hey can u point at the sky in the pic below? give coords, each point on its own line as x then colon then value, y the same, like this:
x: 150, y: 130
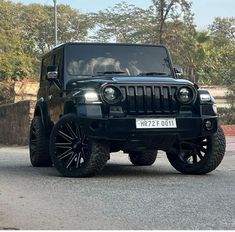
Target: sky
x: 204, y: 10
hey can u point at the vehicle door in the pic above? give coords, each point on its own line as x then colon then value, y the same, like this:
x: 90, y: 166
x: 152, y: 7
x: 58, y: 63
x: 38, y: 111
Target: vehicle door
x: 55, y: 93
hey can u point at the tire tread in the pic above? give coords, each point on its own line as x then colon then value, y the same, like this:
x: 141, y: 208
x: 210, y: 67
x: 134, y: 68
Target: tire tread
x: 41, y: 157
x: 143, y: 159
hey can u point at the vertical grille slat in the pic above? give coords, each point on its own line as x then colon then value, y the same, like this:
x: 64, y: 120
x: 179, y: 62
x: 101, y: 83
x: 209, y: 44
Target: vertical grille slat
x: 161, y: 108
x: 158, y: 99
x: 147, y: 99
x: 170, y: 98
x: 166, y: 100
x: 144, y: 99
x: 153, y: 100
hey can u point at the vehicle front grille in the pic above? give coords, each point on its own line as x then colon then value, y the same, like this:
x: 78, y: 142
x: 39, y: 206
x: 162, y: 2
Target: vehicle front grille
x: 149, y: 99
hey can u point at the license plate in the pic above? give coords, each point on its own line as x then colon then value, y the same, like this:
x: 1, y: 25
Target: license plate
x: 155, y: 123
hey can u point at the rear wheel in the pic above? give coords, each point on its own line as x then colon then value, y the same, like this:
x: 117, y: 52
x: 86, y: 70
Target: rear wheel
x: 199, y: 156
x: 143, y: 158
x: 39, y: 144
x: 73, y: 153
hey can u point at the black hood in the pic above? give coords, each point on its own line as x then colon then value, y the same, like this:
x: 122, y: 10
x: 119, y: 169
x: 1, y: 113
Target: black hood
x: 96, y: 82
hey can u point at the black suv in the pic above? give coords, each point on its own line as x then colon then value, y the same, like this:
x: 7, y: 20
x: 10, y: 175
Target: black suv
x: 95, y: 99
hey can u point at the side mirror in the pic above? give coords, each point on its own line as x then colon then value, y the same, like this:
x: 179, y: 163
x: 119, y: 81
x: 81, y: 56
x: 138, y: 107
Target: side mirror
x: 52, y: 72
x: 178, y: 72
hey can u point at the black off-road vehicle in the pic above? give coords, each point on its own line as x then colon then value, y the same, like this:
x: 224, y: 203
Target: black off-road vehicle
x: 95, y: 99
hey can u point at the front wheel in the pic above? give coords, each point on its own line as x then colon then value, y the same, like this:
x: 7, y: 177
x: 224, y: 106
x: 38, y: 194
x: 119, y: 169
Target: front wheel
x: 73, y: 153
x: 199, y: 156
x: 143, y: 158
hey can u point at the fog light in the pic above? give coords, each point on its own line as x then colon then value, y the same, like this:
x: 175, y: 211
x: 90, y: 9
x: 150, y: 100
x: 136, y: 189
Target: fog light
x: 208, y: 125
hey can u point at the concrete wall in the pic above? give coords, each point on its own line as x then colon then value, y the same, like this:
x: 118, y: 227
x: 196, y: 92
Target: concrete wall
x: 15, y: 122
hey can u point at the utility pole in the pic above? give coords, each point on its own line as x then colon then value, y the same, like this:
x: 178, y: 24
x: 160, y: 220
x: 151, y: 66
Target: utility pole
x: 55, y: 21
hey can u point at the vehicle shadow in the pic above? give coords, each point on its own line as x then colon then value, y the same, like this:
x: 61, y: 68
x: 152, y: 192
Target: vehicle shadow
x: 114, y: 170
x: 128, y: 170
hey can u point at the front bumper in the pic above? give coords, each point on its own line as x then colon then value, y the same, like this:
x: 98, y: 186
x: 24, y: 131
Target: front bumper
x: 124, y: 128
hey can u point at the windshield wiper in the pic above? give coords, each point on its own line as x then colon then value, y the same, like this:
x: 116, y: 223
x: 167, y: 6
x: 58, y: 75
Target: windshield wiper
x: 153, y: 74
x: 110, y: 73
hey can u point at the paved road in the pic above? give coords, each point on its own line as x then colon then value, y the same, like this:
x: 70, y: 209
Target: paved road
x: 122, y: 197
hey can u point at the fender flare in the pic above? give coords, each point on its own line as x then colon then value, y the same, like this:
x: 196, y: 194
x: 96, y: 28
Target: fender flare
x: 41, y: 109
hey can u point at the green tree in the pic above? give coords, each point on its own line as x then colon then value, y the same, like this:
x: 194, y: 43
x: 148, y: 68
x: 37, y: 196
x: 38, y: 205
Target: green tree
x: 218, y: 66
x: 38, y: 30
x: 27, y: 31
x: 223, y: 31
x: 14, y: 62
x: 121, y: 23
x: 168, y: 22
x: 171, y: 10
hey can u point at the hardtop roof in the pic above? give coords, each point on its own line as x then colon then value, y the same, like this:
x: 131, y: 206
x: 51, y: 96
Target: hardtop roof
x: 98, y: 43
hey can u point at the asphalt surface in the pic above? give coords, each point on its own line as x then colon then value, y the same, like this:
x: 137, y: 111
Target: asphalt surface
x: 121, y: 197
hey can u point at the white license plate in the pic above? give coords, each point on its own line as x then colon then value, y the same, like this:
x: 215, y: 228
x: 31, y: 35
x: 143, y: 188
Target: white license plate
x: 155, y: 123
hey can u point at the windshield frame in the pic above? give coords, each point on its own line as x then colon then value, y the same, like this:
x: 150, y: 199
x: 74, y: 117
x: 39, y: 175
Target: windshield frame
x: 69, y: 76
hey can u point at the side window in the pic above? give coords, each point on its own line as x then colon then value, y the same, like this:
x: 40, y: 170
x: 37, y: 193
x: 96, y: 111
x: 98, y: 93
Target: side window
x: 45, y: 62
x: 58, y: 61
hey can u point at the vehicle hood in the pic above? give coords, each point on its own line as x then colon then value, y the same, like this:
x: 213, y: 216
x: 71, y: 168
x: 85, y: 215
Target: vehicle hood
x: 96, y: 82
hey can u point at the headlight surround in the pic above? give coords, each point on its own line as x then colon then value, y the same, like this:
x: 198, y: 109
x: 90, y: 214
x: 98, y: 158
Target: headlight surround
x: 112, y: 94
x: 185, y: 95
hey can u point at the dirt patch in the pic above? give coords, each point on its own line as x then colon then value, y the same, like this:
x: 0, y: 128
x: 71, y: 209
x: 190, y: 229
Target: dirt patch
x: 229, y: 130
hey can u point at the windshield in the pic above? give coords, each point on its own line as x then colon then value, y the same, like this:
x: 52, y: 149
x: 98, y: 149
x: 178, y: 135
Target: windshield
x: 106, y: 59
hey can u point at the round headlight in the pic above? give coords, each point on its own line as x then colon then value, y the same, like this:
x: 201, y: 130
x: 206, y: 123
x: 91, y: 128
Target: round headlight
x: 185, y: 95
x: 112, y: 95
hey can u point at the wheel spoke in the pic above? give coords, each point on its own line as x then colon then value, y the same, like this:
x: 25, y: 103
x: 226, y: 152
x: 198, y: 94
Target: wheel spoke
x: 78, y: 160
x: 63, y: 145
x: 83, y: 153
x: 65, y: 154
x: 71, y: 159
x: 200, y: 155
x: 65, y: 136
x: 203, y: 149
x: 71, y: 131
x: 78, y: 131
x: 83, y: 138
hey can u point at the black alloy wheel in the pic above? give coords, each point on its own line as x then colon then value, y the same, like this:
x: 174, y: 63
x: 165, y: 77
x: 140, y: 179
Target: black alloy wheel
x: 199, y: 156
x: 73, y: 154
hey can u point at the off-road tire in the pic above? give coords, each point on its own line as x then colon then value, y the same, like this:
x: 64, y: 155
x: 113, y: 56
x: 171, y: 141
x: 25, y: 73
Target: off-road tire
x: 39, y: 144
x: 95, y: 158
x: 213, y: 156
x: 143, y: 158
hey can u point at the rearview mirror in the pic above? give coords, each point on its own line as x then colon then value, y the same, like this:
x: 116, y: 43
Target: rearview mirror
x: 52, y: 72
